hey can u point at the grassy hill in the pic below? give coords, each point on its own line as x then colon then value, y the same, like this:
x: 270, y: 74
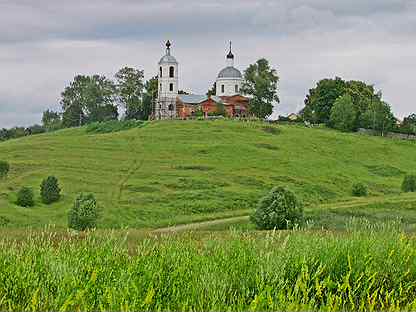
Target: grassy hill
x: 184, y: 171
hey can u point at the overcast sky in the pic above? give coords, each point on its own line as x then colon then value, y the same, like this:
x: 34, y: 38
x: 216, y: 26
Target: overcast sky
x: 45, y: 43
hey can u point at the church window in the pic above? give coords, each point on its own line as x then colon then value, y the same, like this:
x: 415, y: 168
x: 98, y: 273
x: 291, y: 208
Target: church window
x: 236, y: 88
x: 222, y: 88
x: 160, y: 88
x: 170, y: 107
x: 171, y: 87
x: 171, y: 72
x: 160, y: 72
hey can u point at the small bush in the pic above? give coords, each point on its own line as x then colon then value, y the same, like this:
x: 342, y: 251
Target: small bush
x: 280, y: 209
x: 84, y: 213
x: 4, y: 169
x: 409, y: 183
x: 25, y: 197
x: 49, y: 190
x: 359, y: 190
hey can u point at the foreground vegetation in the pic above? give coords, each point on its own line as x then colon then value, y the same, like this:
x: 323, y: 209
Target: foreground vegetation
x: 366, y: 268
x: 184, y: 171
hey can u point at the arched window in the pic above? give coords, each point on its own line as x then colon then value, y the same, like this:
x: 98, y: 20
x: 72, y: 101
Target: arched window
x: 236, y: 88
x: 222, y: 88
x: 171, y: 72
x: 170, y: 107
x: 160, y: 72
x: 171, y: 87
x: 160, y: 88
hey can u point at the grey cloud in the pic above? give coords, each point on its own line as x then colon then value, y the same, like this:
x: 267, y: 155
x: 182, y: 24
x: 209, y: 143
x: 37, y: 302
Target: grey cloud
x: 44, y: 43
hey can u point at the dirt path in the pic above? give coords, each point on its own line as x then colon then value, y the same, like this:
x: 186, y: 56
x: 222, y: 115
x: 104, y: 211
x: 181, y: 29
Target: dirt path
x: 199, y: 225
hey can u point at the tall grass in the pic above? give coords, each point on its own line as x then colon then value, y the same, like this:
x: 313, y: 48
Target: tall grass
x: 371, y: 269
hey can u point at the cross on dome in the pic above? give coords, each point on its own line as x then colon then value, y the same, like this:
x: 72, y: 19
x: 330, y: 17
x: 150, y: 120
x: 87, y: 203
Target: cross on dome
x: 230, y: 54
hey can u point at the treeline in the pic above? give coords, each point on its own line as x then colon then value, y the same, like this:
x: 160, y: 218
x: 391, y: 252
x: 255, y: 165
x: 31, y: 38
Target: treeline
x: 350, y: 105
x: 96, y: 98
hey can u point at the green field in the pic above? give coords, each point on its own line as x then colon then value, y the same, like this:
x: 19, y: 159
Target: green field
x: 177, y: 172
x: 367, y: 268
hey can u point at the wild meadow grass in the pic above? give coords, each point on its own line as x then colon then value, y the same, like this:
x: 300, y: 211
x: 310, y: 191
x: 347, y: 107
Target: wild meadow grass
x: 366, y: 268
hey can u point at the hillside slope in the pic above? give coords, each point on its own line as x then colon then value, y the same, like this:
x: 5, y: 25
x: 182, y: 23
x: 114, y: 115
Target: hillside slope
x: 182, y: 171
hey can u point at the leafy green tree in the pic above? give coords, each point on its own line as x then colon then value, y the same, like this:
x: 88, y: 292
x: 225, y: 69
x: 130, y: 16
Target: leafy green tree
x: 280, y: 209
x: 84, y: 213
x: 49, y: 190
x: 378, y: 117
x: 129, y: 82
x: 409, y: 124
x: 343, y: 114
x: 260, y: 83
x: 213, y: 90
x: 409, y: 183
x: 51, y: 120
x: 359, y: 190
x: 4, y: 169
x: 88, y: 99
x: 149, y: 97
x: 25, y: 197
x: 321, y: 99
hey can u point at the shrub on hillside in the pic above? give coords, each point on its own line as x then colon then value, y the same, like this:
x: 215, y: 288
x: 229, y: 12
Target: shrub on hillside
x: 359, y: 190
x: 4, y: 168
x: 343, y: 114
x: 409, y: 183
x: 84, y: 213
x: 280, y: 209
x: 49, y: 190
x: 25, y: 197
x: 114, y: 126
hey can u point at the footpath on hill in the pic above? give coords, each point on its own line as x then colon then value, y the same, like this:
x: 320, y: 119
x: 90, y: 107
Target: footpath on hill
x: 200, y: 225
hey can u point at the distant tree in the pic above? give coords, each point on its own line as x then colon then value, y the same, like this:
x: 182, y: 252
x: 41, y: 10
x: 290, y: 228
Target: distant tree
x: 25, y: 197
x: 149, y: 97
x: 409, y: 183
x: 260, y: 83
x: 409, y: 124
x: 51, y: 120
x: 359, y: 190
x: 88, y: 99
x: 4, y: 169
x: 378, y: 117
x: 130, y: 86
x: 280, y: 209
x: 49, y: 190
x: 321, y: 99
x: 84, y: 213
x: 343, y: 114
x: 213, y: 90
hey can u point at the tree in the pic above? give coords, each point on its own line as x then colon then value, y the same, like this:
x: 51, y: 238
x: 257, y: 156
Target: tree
x: 343, y: 114
x: 280, y: 209
x: 260, y: 83
x: 25, y: 197
x: 129, y: 82
x: 84, y: 213
x: 49, y: 190
x: 51, y: 120
x: 359, y: 190
x: 4, y: 169
x: 149, y: 97
x: 213, y: 90
x: 88, y: 99
x: 409, y: 124
x: 409, y: 183
x: 378, y: 117
x: 321, y: 99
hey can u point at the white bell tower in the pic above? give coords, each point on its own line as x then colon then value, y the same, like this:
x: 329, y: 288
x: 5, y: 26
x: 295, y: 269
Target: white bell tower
x: 165, y: 107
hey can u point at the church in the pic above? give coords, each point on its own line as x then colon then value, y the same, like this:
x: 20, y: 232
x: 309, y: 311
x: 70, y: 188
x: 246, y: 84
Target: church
x: 171, y: 105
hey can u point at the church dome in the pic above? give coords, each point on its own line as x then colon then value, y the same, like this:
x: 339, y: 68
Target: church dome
x: 168, y: 59
x: 230, y: 72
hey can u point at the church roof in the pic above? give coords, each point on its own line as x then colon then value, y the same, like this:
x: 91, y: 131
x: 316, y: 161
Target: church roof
x: 230, y: 72
x: 197, y: 99
x: 168, y: 59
